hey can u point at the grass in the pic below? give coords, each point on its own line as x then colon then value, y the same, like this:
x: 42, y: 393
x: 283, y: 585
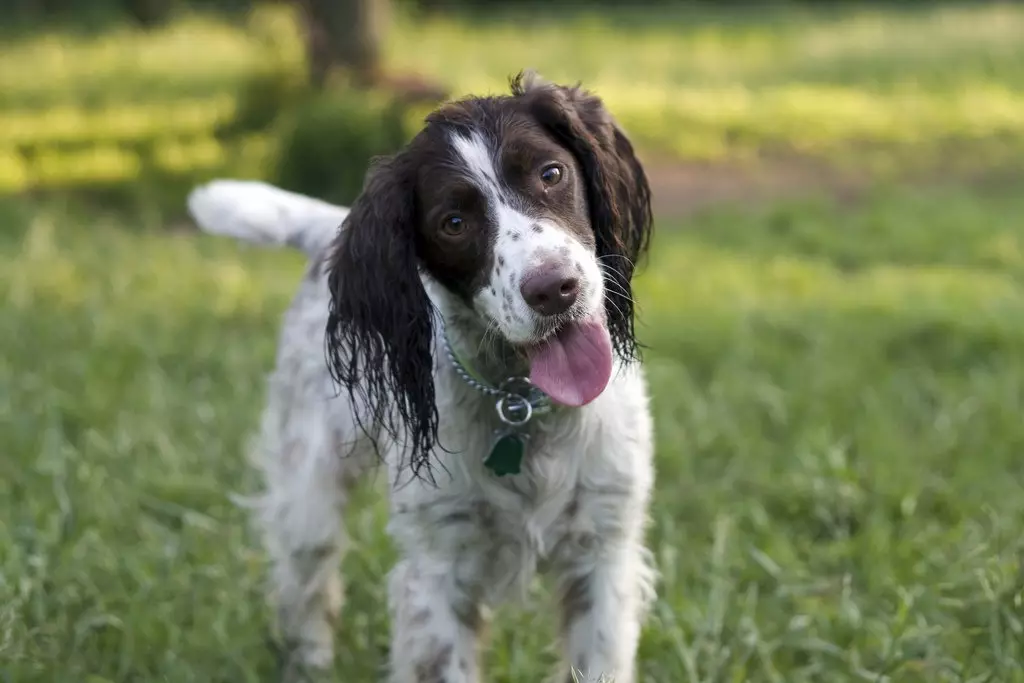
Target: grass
x: 837, y: 385
x: 877, y: 89
x: 837, y: 390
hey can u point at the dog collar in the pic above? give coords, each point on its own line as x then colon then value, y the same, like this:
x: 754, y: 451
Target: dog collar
x: 517, y: 402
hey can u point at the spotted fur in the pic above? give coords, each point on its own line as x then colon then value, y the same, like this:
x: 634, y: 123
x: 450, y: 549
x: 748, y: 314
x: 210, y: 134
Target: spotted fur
x: 379, y: 296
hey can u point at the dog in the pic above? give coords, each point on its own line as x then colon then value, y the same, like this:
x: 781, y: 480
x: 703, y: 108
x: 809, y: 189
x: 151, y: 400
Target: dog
x: 470, y: 325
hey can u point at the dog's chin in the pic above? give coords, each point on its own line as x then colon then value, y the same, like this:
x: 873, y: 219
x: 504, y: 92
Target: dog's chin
x: 569, y: 357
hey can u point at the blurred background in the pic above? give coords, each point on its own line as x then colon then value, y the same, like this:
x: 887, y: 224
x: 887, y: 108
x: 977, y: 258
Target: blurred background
x: 834, y: 309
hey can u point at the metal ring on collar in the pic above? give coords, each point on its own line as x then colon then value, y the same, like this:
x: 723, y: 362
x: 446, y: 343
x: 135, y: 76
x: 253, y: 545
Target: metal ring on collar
x: 510, y: 405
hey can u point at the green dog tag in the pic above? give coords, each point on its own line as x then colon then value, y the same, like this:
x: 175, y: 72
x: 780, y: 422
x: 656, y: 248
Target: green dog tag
x: 506, y: 455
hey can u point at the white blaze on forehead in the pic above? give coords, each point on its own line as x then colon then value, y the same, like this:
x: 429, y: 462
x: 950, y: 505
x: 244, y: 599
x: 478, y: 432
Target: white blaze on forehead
x: 476, y: 155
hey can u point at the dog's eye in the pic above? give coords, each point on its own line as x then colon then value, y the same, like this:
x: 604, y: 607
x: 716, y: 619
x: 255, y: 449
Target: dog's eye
x: 551, y: 175
x: 453, y: 224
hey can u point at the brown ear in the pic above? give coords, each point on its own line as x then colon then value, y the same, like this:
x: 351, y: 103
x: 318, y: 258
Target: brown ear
x: 380, y: 327
x: 618, y: 194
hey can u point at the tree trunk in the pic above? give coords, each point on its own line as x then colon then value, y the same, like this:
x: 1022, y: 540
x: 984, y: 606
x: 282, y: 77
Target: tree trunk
x: 149, y: 13
x: 346, y: 33
x: 350, y: 34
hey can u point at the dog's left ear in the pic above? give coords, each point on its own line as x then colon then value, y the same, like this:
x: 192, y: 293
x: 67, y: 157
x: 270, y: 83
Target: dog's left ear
x: 618, y: 194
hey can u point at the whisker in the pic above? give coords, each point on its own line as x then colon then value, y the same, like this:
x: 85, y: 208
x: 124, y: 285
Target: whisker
x: 618, y: 288
x: 624, y: 258
x: 615, y: 286
x: 615, y: 305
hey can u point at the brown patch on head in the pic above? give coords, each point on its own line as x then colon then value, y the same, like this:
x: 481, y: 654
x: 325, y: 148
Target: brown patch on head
x: 459, y: 259
x: 529, y: 151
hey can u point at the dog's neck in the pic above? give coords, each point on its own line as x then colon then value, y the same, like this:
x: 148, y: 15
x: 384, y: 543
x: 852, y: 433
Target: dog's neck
x: 475, y: 343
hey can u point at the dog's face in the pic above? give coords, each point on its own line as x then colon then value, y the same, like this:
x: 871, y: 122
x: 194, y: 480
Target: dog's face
x: 530, y: 210
x: 504, y: 224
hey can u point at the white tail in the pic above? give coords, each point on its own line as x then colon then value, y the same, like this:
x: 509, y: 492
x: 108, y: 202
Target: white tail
x: 264, y: 214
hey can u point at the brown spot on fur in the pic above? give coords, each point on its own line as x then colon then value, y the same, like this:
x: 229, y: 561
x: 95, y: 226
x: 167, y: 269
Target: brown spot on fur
x: 316, y: 267
x: 537, y: 228
x: 576, y: 600
x: 459, y: 517
x: 501, y: 261
x: 573, y: 507
x: 514, y: 236
x: 484, y: 513
x: 313, y: 554
x: 432, y: 670
x: 470, y: 615
x: 420, y: 618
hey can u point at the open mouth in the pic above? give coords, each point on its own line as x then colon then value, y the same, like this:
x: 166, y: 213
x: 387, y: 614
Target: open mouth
x: 573, y: 365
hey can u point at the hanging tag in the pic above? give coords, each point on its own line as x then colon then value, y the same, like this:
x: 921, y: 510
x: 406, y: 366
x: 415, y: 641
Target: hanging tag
x: 506, y: 456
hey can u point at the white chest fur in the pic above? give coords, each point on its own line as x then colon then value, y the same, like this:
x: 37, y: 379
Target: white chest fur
x: 586, y: 474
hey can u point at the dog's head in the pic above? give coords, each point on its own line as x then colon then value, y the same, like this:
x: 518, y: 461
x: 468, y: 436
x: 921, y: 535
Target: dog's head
x: 530, y: 210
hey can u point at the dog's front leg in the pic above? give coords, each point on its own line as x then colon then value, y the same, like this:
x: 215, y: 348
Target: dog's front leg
x: 603, y: 602
x: 435, y: 623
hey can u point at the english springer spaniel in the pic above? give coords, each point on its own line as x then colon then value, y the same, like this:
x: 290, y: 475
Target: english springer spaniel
x: 476, y: 311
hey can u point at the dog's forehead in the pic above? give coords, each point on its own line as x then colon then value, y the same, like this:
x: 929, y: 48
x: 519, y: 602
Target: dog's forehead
x: 482, y: 141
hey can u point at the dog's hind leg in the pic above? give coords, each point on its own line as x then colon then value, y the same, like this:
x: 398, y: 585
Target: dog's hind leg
x: 307, y: 473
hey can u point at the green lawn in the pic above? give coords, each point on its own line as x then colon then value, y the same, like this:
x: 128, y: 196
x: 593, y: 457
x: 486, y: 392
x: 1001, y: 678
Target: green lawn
x: 838, y: 392
x: 876, y: 89
x: 838, y: 387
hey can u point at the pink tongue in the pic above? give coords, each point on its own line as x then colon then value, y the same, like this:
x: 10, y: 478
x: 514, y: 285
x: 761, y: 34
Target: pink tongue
x: 573, y: 367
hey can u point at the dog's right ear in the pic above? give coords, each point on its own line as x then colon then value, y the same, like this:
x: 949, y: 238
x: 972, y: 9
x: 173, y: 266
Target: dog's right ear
x: 380, y: 328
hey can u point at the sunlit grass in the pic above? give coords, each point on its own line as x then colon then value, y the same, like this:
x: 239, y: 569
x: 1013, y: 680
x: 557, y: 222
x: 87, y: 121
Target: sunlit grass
x: 872, y: 88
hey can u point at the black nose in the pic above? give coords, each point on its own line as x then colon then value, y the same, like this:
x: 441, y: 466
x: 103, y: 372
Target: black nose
x: 550, y: 289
